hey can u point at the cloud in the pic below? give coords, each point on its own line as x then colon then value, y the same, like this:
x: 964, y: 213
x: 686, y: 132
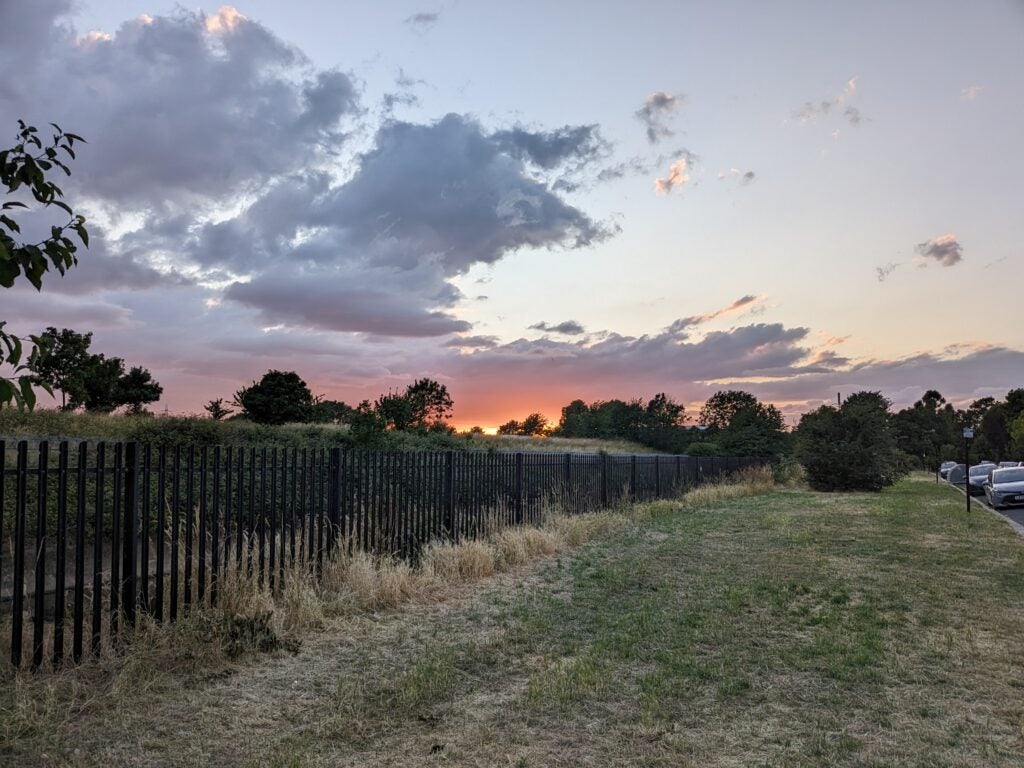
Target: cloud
x: 744, y: 178
x: 423, y: 21
x: 884, y: 271
x: 213, y: 105
x: 678, y: 174
x: 946, y: 250
x: 814, y: 110
x: 744, y: 302
x: 579, y: 144
x: 971, y: 92
x: 566, y: 328
x: 658, y: 108
x: 472, y: 342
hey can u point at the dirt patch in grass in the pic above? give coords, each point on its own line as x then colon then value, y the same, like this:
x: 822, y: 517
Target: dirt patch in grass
x: 787, y: 629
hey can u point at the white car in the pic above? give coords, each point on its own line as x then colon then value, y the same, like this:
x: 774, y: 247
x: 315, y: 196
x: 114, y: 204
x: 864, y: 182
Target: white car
x: 1005, y: 487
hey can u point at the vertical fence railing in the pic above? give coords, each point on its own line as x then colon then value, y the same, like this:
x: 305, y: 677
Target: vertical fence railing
x: 93, y: 537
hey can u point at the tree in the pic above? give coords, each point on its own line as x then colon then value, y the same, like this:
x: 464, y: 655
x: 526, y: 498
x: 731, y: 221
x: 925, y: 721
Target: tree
x: 136, y: 389
x: 216, y: 409
x: 720, y: 407
x: 754, y: 430
x: 395, y: 411
x: 279, y: 397
x: 94, y: 386
x: 429, y: 402
x: 510, y: 427
x: 366, y: 425
x: 852, y: 447
x: 995, y: 428
x: 330, y: 411
x: 27, y: 165
x: 576, y: 420
x: 64, y: 356
x: 663, y: 411
x: 535, y: 425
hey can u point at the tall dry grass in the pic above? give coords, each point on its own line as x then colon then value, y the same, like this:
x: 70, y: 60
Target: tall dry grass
x: 250, y: 616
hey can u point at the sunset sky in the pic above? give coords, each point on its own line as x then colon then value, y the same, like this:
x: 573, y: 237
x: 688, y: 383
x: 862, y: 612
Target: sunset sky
x: 537, y: 201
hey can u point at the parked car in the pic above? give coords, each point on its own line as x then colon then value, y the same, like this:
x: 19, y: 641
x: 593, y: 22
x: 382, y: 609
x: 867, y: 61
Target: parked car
x: 1005, y: 487
x: 1008, y: 464
x: 944, y: 469
x: 977, y: 477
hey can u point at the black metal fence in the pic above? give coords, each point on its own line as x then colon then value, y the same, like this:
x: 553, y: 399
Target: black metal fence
x: 90, y: 536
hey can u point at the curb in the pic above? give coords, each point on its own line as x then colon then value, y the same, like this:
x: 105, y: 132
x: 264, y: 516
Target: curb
x: 1017, y: 527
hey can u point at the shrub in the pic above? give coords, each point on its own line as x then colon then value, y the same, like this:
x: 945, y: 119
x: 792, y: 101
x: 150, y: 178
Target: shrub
x: 850, y: 448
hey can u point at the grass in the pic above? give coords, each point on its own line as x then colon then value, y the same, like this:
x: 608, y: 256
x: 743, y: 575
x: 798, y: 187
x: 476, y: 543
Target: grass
x: 554, y: 444
x: 743, y: 627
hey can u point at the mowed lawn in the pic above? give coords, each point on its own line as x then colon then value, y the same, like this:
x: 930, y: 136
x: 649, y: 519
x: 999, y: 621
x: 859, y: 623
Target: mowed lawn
x: 792, y: 629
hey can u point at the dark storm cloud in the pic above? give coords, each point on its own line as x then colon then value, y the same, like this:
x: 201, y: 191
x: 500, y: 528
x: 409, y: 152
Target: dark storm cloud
x: 945, y: 250
x: 658, y: 108
x: 567, y: 328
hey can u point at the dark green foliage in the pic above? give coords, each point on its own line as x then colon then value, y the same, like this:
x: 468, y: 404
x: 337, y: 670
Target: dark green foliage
x: 66, y: 355
x: 754, y: 430
x: 330, y: 412
x: 136, y: 389
x: 850, y: 448
x: 703, y: 448
x: 216, y: 409
x: 510, y: 427
x: 25, y: 167
x: 720, y: 408
x: 280, y: 397
x: 425, y: 405
x: 91, y: 381
x: 534, y: 425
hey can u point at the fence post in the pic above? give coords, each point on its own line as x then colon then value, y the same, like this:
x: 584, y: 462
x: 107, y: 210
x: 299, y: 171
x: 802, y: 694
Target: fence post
x: 604, y: 479
x: 679, y: 472
x: 632, y: 477
x: 130, y: 532
x: 449, y: 492
x: 566, y: 481
x: 519, y: 489
x: 333, y: 496
x: 657, y: 477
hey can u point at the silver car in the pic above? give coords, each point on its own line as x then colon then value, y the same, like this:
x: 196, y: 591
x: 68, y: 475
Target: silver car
x: 944, y: 469
x: 1005, y: 487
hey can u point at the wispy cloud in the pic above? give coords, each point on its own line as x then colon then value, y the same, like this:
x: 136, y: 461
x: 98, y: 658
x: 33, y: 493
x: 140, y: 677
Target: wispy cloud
x: 423, y: 21
x: 971, y: 92
x: 838, y: 105
x: 681, y: 326
x: 883, y: 272
x: 566, y: 328
x: 678, y: 174
x: 945, y: 250
x: 657, y: 110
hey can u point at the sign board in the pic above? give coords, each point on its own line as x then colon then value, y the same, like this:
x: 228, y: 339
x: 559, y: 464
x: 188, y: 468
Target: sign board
x: 968, y: 433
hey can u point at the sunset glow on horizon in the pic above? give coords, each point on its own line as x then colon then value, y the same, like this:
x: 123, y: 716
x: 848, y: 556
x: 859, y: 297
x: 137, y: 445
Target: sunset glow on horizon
x: 536, y: 203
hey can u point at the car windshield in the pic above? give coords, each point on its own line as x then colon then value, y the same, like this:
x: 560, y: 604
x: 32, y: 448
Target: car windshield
x: 1008, y: 475
x: 948, y: 464
x: 981, y: 471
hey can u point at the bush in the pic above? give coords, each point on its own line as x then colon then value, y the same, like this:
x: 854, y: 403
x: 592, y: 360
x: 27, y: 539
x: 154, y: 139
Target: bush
x: 850, y: 448
x: 704, y: 448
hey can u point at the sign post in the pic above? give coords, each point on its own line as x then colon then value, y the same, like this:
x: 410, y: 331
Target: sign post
x: 968, y: 436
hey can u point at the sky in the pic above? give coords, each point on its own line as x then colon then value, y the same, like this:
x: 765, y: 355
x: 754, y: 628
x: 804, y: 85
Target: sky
x: 536, y: 202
